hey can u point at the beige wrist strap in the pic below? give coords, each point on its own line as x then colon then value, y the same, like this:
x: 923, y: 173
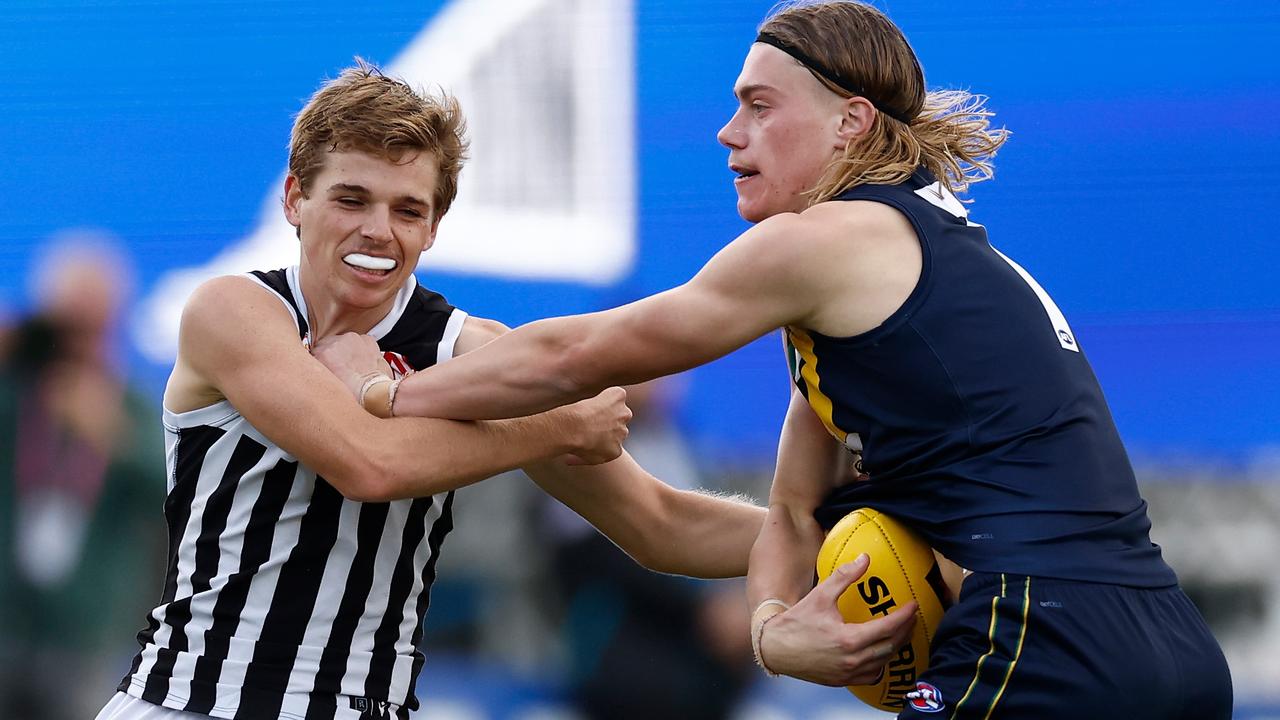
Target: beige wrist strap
x: 757, y: 628
x: 381, y: 409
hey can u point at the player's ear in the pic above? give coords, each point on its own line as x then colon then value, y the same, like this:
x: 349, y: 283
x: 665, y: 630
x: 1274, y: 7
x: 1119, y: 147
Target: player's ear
x: 856, y: 119
x: 293, y: 200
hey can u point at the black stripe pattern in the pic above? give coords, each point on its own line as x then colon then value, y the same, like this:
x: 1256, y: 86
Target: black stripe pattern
x: 281, y: 596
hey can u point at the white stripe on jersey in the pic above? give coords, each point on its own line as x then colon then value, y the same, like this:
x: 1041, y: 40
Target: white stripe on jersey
x: 211, y: 471
x: 375, y: 605
x: 228, y: 562
x: 401, y: 676
x: 450, y: 338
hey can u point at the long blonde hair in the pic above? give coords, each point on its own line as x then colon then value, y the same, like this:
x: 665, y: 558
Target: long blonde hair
x: 949, y: 131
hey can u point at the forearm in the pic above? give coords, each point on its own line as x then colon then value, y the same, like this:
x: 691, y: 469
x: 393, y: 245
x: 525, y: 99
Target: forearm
x: 783, y: 557
x: 666, y: 530
x: 416, y: 457
x: 710, y: 537
x: 520, y: 373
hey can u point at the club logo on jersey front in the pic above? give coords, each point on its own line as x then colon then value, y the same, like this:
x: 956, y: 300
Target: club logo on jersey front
x: 400, y: 366
x: 925, y: 698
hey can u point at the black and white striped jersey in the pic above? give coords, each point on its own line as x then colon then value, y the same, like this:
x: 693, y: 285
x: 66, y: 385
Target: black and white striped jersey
x: 281, y: 595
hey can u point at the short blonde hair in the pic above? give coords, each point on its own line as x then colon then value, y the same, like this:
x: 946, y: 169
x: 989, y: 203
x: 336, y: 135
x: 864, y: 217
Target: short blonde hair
x: 948, y: 132
x: 366, y: 111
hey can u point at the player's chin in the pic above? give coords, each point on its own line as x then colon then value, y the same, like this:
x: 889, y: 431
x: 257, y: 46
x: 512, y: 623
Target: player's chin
x: 751, y: 211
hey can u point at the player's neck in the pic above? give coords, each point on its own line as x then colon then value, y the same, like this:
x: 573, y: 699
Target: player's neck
x: 328, y: 315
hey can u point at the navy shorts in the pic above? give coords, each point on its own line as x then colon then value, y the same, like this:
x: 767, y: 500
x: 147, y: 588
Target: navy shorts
x: 1018, y: 647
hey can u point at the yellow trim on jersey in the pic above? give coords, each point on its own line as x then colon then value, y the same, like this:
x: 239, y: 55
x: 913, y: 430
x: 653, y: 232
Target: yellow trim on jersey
x: 820, y: 403
x: 1026, y: 606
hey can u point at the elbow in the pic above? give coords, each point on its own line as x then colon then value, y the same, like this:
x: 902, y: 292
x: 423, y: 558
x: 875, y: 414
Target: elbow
x: 665, y: 562
x: 374, y: 481
x: 576, y: 371
x: 365, y: 475
x: 645, y: 554
x: 362, y: 484
x: 562, y: 358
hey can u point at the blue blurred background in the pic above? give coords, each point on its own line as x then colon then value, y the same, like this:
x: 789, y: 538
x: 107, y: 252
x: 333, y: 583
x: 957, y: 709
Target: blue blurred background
x: 1136, y: 188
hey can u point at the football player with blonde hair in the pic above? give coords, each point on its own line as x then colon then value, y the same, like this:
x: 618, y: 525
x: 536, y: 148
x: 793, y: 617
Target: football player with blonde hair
x: 914, y: 342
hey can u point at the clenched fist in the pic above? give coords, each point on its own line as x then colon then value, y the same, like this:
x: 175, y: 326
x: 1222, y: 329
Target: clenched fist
x: 596, y: 426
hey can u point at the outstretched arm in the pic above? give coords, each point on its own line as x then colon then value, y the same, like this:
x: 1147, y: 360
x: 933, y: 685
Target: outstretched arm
x: 683, y: 532
x: 759, y: 282
x: 238, y: 342
x: 667, y: 530
x: 805, y: 636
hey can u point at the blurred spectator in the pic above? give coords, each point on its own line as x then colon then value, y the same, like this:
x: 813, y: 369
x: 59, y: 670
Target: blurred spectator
x: 80, y: 550
x: 641, y: 644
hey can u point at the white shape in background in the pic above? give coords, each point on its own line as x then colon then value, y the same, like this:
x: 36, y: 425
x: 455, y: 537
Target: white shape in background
x: 547, y: 88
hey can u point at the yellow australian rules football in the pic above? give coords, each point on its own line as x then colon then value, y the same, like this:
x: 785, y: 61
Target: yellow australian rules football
x: 903, y: 568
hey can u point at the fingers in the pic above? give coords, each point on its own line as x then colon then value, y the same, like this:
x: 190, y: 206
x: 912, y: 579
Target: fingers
x: 878, y: 641
x: 894, y: 628
x: 841, y: 578
x: 613, y: 394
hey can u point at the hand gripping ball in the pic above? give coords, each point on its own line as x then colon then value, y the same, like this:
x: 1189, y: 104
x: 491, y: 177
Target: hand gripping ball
x: 903, y: 568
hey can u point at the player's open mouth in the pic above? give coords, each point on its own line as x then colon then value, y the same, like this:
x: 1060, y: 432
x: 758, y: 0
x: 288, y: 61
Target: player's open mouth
x: 743, y: 173
x: 369, y: 263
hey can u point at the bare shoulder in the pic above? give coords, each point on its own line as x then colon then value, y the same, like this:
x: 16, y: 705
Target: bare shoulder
x: 776, y: 248
x: 861, y: 223
x: 825, y: 230
x: 233, y: 316
x: 228, y: 297
x: 867, y: 259
x: 224, y: 318
x: 477, y: 331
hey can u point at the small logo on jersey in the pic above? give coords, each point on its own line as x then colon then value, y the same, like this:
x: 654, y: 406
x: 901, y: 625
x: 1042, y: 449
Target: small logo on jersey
x: 925, y: 698
x: 371, y: 709
x: 399, y: 364
x: 1065, y: 338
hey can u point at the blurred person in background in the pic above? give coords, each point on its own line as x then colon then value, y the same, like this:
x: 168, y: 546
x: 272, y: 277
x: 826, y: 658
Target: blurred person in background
x: 642, y: 645
x: 80, y: 476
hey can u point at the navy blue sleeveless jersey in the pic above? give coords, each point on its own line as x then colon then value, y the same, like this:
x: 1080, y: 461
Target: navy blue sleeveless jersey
x: 980, y: 421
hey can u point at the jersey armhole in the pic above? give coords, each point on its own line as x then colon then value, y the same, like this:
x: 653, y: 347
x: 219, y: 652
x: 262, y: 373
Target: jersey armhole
x: 293, y: 313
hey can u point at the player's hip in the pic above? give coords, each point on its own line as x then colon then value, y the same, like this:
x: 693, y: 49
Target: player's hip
x: 1018, y: 646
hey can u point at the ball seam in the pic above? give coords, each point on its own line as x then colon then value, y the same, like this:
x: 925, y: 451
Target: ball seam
x: 928, y: 635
